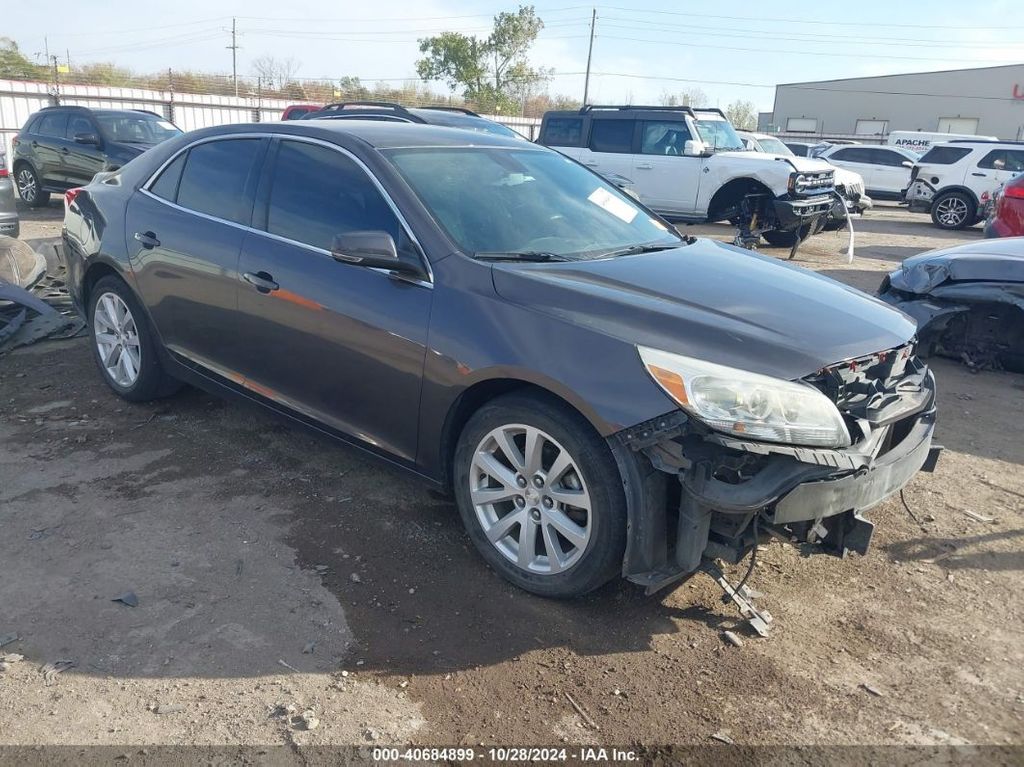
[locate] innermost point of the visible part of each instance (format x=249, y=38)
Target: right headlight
x=747, y=404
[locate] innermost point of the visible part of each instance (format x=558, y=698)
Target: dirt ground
x=278, y=574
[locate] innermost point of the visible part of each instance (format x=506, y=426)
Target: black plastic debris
x=129, y=598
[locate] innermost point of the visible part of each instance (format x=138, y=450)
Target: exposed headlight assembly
x=747, y=404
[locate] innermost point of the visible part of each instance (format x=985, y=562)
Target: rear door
x=994, y=169
x=609, y=148
x=665, y=178
x=339, y=343
x=184, y=232
x=81, y=161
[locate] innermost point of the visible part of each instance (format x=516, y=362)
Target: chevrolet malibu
x=600, y=395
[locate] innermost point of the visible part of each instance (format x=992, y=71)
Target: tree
x=689, y=97
x=493, y=73
x=15, y=66
x=742, y=114
x=276, y=73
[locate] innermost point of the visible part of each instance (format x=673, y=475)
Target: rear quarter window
x=945, y=155
x=563, y=131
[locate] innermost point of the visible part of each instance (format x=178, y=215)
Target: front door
x=890, y=174
x=184, y=234
x=81, y=161
x=666, y=179
x=339, y=343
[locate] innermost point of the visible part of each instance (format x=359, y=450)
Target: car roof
x=377, y=133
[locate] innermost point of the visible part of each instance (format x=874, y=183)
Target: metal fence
x=189, y=109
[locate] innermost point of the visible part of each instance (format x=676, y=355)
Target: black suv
x=63, y=147
x=385, y=111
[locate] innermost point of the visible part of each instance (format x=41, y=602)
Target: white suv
x=689, y=165
x=954, y=181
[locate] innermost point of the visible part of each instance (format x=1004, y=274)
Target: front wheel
x=954, y=210
x=541, y=496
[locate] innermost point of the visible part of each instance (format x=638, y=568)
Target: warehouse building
x=987, y=102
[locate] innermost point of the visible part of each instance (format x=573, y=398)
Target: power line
x=759, y=19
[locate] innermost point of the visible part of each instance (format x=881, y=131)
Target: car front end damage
x=808, y=200
x=695, y=494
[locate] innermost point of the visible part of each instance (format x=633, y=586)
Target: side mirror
x=374, y=249
x=693, y=148
x=87, y=138
x=907, y=164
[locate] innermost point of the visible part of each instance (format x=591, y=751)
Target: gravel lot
x=277, y=574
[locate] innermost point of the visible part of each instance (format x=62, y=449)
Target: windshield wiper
x=519, y=255
x=649, y=247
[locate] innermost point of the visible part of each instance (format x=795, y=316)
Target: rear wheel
x=124, y=346
x=30, y=188
x=540, y=496
x=954, y=210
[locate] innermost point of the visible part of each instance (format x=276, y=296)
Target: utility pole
x=234, y=55
x=590, y=52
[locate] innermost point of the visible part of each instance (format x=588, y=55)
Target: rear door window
x=615, y=136
x=53, y=125
x=218, y=179
x=79, y=124
x=1003, y=159
x=563, y=131
x=317, y=193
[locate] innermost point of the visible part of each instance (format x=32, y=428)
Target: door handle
x=35, y=144
x=65, y=150
x=645, y=166
x=262, y=281
x=980, y=175
x=147, y=240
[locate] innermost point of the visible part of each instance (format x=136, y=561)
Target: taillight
x=3, y=172
x=1015, y=189
x=70, y=195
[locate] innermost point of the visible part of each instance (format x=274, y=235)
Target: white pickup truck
x=690, y=166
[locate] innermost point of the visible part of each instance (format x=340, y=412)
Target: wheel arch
x=956, y=188
x=480, y=394
x=731, y=193
x=95, y=272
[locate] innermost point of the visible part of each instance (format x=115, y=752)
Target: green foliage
x=15, y=66
x=493, y=73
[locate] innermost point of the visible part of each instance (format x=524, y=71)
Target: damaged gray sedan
x=968, y=302
x=601, y=395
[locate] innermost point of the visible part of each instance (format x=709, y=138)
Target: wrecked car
x=601, y=395
x=968, y=301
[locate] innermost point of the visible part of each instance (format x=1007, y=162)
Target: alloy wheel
x=27, y=186
x=952, y=212
x=530, y=499
x=117, y=340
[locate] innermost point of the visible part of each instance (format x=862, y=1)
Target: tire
x=591, y=553
x=109, y=299
x=30, y=187
x=954, y=210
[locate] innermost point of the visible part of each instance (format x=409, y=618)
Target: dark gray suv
x=63, y=147
x=601, y=395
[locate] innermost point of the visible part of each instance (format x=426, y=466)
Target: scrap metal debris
x=50, y=670
x=128, y=598
x=34, y=304
x=759, y=620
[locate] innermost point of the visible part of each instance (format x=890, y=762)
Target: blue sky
x=728, y=50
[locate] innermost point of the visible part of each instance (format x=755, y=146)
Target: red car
x=1007, y=219
x=298, y=111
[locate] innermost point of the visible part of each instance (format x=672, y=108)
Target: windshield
x=774, y=146
x=498, y=200
x=135, y=128
x=718, y=135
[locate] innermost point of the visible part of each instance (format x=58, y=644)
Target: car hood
x=715, y=302
x=997, y=260
x=801, y=164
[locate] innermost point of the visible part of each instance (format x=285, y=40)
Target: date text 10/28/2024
x=504, y=754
